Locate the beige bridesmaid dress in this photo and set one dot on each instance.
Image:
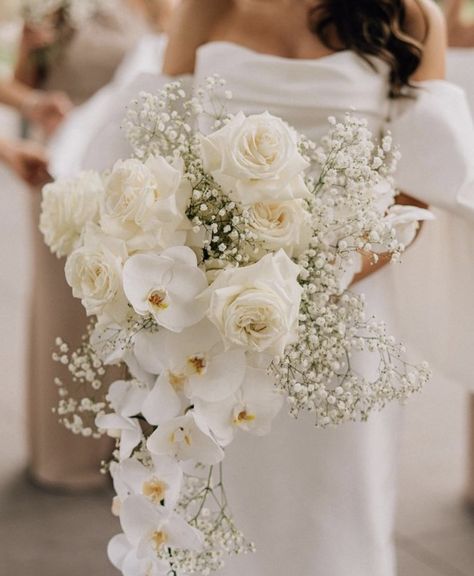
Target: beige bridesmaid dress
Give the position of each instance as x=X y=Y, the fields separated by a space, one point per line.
x=59 y=459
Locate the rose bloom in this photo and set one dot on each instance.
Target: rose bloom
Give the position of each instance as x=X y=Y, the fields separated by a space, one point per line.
x=94 y=272
x=144 y=204
x=282 y=225
x=67 y=206
x=257 y=306
x=256 y=159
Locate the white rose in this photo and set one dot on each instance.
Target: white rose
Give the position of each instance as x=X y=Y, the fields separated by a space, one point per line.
x=281 y=225
x=256 y=159
x=67 y=206
x=144 y=204
x=257 y=306
x=94 y=273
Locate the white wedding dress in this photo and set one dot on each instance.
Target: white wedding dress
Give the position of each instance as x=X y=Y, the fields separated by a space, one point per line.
x=321 y=503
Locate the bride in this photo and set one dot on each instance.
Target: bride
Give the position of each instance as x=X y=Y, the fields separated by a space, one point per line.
x=322 y=502
x=316 y=502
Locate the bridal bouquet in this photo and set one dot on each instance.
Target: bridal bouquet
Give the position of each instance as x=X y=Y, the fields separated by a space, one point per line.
x=215 y=265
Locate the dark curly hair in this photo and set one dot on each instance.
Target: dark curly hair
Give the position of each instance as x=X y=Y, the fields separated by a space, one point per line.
x=370 y=28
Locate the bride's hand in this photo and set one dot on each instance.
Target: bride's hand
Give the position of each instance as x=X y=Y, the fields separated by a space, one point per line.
x=369 y=266
x=27 y=159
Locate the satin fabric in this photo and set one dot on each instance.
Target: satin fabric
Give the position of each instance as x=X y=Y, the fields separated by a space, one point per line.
x=436 y=308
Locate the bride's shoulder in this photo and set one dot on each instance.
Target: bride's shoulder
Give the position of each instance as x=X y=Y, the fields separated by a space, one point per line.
x=191 y=26
x=425 y=23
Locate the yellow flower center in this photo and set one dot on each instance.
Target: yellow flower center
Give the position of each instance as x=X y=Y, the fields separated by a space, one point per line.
x=159 y=539
x=197 y=364
x=177 y=380
x=157 y=299
x=244 y=416
x=155 y=490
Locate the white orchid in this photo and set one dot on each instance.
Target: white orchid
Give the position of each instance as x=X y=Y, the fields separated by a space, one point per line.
x=186 y=438
x=124 y=557
x=252 y=408
x=152 y=529
x=160 y=482
x=256 y=307
x=193 y=363
x=165 y=286
x=126 y=399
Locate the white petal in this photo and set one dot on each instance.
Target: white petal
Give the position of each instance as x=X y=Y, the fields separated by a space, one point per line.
x=127 y=396
x=138 y=518
x=162 y=403
x=117 y=550
x=219 y=417
x=141 y=274
x=224 y=375
x=149 y=350
x=129 y=440
x=182 y=535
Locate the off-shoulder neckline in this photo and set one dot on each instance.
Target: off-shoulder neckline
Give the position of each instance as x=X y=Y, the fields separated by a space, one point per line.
x=275 y=57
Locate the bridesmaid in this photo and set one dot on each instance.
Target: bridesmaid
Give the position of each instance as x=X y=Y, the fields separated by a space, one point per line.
x=26 y=159
x=45 y=110
x=82 y=61
x=318 y=502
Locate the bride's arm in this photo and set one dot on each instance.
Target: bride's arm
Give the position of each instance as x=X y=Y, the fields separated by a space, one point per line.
x=191 y=26
x=425 y=23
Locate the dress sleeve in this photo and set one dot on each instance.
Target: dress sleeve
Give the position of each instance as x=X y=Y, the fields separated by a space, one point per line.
x=435 y=134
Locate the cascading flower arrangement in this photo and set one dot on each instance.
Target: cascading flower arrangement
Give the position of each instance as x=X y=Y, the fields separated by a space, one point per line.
x=216 y=267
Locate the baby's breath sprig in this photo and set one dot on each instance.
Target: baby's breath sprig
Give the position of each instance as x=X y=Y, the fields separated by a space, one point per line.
x=204 y=505
x=82 y=396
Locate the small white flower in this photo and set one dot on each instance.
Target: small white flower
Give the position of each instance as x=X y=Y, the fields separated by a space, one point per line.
x=166 y=287
x=256 y=159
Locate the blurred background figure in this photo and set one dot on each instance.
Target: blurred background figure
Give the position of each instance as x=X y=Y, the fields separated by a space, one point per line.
x=28 y=161
x=70 y=146
x=61 y=66
x=460 y=16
